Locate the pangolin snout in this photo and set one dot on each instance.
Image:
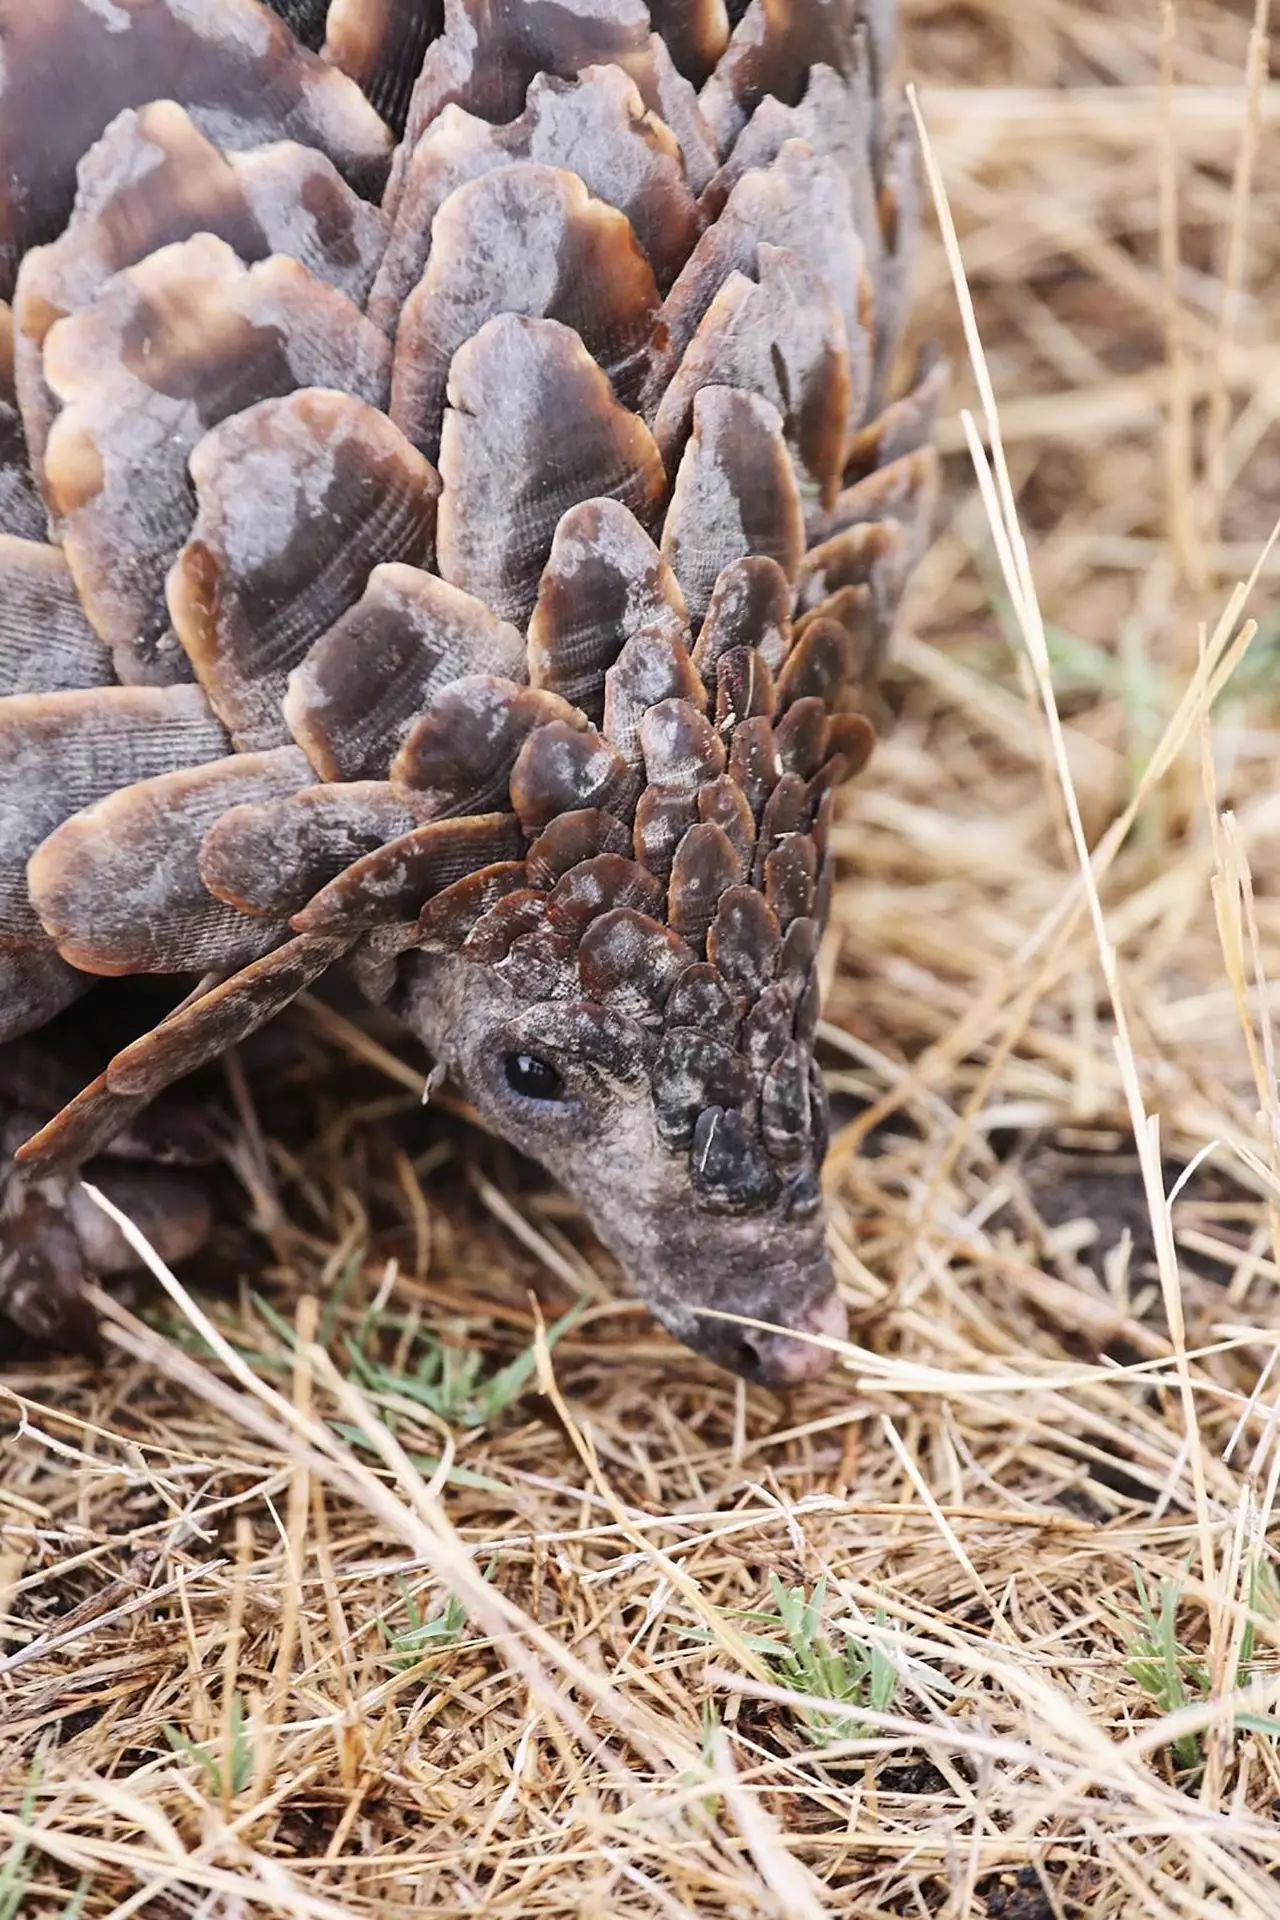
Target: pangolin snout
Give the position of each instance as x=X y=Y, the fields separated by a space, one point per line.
x=792 y=1352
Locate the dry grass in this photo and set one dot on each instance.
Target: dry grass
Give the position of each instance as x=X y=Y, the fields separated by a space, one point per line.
x=1018 y=1550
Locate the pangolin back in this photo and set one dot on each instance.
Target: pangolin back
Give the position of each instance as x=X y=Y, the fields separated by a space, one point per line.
x=454 y=499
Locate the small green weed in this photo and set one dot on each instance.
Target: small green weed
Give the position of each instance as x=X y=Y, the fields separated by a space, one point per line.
x=1172 y=1676
x=858 y=1674
x=15 y=1874
x=1167 y=1671
x=451 y=1382
x=221 y=1784
x=425 y=1633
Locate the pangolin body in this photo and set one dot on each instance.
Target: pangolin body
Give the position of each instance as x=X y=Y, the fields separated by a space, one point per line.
x=454 y=498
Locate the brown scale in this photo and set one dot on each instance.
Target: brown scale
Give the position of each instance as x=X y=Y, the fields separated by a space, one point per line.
x=597 y=127
x=663 y=816
x=754 y=762
x=731 y=1171
x=465 y=747
x=705 y=866
x=597 y=886
x=540 y=965
x=529 y=240
x=735 y=453
x=818 y=666
x=154 y=180
x=786 y=1119
x=801 y=735
x=723 y=803
x=63 y=751
x=774 y=46
x=744 y=943
x=701 y=999
x=491 y=50
x=770 y=1024
x=71 y=65
x=745 y=689
x=390 y=883
x=799 y=203
x=695 y=31
x=653 y=667
x=119 y=888
x=905 y=426
x=605 y=593
x=362 y=697
x=268 y=859
x=630 y=962
x=831 y=117
x=790 y=879
x=782 y=337
x=450 y=916
x=298 y=500
x=577 y=835
x=509 y=469
x=169 y=349
x=873 y=558
x=694 y=1070
x=750 y=607
x=786 y=811
x=680 y=746
x=514 y=913
x=904 y=493
x=562 y=768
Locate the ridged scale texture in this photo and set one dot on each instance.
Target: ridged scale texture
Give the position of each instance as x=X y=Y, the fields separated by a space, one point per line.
x=485 y=543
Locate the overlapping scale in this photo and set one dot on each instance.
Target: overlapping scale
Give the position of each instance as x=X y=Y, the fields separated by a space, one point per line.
x=170 y=348
x=299 y=499
x=782 y=338
x=358 y=698
x=64 y=751
x=595 y=127
x=512 y=465
x=528 y=240
x=268 y=858
x=604 y=589
x=154 y=179
x=118 y=885
x=463 y=750
x=71 y=65
x=735 y=495
x=491 y=50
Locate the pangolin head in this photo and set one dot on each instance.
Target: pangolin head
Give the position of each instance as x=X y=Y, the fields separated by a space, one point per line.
x=691 y=1145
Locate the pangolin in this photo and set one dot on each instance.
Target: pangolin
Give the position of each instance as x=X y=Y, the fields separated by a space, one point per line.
x=457 y=476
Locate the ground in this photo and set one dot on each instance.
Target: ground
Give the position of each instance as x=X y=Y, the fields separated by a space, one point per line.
x=424 y=1575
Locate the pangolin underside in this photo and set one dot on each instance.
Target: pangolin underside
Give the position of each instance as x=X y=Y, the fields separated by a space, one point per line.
x=457 y=477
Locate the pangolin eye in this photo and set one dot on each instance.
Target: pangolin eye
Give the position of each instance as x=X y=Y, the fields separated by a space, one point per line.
x=533 y=1078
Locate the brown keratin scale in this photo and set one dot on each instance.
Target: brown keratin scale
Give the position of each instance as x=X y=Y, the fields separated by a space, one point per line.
x=457 y=478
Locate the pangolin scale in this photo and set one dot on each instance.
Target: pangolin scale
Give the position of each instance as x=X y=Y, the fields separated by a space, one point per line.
x=457 y=477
